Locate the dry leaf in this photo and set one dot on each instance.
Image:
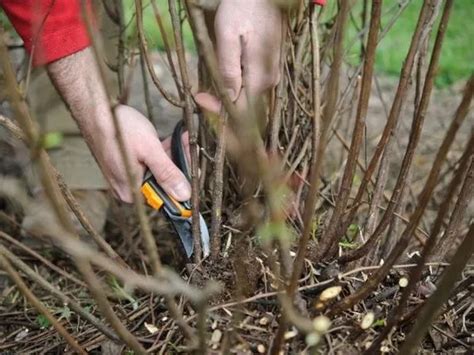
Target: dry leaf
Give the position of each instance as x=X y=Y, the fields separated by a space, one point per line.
x=403 y=282
x=290 y=334
x=216 y=336
x=367 y=321
x=312 y=339
x=330 y=293
x=321 y=324
x=152 y=329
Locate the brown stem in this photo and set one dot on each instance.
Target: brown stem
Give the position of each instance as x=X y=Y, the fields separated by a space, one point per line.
x=329 y=237
x=315 y=169
x=244 y=128
x=417 y=125
x=98 y=293
x=186 y=96
x=121 y=60
x=425 y=195
x=218 y=185
x=146 y=88
x=447 y=239
x=332 y=87
x=394 y=115
x=143 y=44
x=166 y=43
x=79 y=213
x=316 y=158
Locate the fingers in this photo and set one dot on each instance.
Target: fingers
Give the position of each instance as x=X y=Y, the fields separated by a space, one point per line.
x=166 y=173
x=120 y=184
x=208 y=102
x=229 y=52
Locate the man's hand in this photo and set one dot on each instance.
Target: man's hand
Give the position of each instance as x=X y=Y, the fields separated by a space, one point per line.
x=249 y=38
x=77 y=79
x=144 y=149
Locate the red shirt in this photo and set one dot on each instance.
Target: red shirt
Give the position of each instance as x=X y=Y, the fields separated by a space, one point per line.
x=52 y=29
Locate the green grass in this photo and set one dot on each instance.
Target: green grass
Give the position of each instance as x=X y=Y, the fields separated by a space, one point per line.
x=152 y=32
x=457 y=56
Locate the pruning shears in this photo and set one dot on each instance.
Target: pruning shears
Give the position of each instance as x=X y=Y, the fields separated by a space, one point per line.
x=178 y=213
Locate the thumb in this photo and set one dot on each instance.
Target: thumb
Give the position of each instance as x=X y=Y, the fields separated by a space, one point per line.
x=167 y=174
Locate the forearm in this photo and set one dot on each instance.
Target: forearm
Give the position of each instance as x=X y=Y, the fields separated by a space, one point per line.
x=77 y=79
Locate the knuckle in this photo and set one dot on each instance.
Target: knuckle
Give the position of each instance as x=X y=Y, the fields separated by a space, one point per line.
x=167 y=174
x=268 y=81
x=230 y=74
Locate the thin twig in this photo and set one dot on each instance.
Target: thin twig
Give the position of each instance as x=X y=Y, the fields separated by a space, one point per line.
x=16 y=278
x=166 y=43
x=76 y=307
x=105 y=308
x=425 y=195
x=407 y=159
x=392 y=121
x=143 y=44
x=46 y=262
x=218 y=184
x=328 y=244
x=186 y=97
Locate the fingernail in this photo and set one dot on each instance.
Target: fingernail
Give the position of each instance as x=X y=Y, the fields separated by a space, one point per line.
x=182 y=191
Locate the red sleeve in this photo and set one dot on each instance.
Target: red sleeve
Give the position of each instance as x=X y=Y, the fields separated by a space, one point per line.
x=50 y=29
x=320 y=2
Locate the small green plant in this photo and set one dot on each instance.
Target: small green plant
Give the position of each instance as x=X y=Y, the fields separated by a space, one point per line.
x=42 y=321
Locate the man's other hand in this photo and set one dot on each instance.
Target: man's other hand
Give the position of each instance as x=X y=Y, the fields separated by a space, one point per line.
x=249 y=38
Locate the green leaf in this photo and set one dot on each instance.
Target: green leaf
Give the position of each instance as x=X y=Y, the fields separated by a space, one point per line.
x=52 y=140
x=273 y=231
x=120 y=291
x=42 y=321
x=352 y=232
x=65 y=313
x=356 y=180
x=348 y=245
x=379 y=323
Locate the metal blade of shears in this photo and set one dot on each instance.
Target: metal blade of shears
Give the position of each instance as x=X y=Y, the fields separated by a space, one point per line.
x=206 y=249
x=183 y=227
